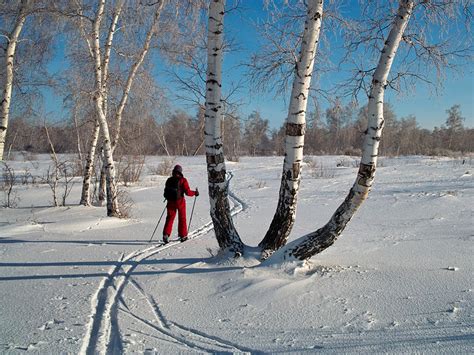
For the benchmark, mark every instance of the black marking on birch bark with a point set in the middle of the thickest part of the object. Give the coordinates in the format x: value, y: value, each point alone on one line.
x: 213, y: 82
x: 365, y: 174
x: 284, y: 218
x: 301, y: 94
x: 295, y: 129
x: 298, y: 112
x: 296, y: 170
x: 216, y: 177
x: 215, y: 159
x: 216, y: 146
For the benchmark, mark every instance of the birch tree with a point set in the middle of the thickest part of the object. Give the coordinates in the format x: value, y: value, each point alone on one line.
x: 100, y: 98
x: 100, y: 101
x: 439, y: 55
x: 12, y: 39
x: 226, y: 234
x: 101, y: 56
x: 284, y: 218
x: 140, y: 57
x: 324, y: 237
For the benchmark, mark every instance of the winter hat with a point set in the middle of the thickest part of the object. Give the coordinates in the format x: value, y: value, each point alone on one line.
x: 178, y: 169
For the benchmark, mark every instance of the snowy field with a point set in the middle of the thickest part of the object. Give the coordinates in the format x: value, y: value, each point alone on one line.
x: 399, y: 280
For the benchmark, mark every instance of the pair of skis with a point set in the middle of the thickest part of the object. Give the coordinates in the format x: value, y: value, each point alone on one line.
x: 182, y: 240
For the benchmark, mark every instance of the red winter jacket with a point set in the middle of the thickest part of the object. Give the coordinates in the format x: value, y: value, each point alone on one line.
x: 184, y: 186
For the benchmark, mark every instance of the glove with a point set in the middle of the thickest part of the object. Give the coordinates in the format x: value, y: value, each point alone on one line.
x: 196, y: 193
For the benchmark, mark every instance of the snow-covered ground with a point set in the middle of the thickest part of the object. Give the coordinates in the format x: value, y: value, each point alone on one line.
x: 399, y: 280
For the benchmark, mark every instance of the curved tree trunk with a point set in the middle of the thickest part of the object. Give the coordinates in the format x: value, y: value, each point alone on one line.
x: 285, y: 214
x: 317, y: 241
x: 9, y: 61
x: 226, y: 234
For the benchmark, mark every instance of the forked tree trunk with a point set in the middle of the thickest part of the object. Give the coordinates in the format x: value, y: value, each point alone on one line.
x: 101, y: 76
x: 104, y: 82
x: 128, y: 86
x: 9, y: 62
x: 112, y: 197
x: 285, y: 214
x: 226, y: 234
x: 317, y: 241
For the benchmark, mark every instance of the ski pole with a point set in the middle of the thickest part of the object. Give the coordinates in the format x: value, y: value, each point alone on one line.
x: 162, y: 213
x: 192, y: 211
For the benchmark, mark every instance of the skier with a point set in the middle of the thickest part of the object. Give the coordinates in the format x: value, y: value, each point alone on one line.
x: 175, y: 188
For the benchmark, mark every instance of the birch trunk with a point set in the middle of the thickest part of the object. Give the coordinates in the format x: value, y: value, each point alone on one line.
x: 112, y: 198
x: 128, y: 85
x: 285, y: 214
x: 89, y: 166
x: 101, y: 74
x: 226, y: 234
x: 324, y: 237
x: 9, y: 62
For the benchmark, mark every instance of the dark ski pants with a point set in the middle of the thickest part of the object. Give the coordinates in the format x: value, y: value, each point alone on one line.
x: 171, y: 209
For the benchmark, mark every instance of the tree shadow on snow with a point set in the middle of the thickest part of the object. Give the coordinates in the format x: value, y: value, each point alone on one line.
x: 104, y: 274
x: 8, y: 240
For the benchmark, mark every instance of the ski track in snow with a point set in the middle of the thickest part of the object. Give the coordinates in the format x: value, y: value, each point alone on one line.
x: 103, y: 333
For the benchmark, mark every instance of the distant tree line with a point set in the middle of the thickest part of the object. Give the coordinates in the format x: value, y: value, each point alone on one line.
x: 338, y: 130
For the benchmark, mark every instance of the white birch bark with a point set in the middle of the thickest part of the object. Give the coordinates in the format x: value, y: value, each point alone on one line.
x: 226, y: 234
x: 105, y: 76
x: 112, y: 198
x: 315, y: 242
x: 89, y: 166
x: 128, y: 85
x: 285, y: 214
x: 9, y: 62
x: 107, y: 51
x: 101, y: 83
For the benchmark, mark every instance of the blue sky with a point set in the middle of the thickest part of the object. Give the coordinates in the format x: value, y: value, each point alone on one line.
x: 428, y: 108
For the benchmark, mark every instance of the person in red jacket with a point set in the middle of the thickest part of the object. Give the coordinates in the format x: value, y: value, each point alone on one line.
x: 176, y: 187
